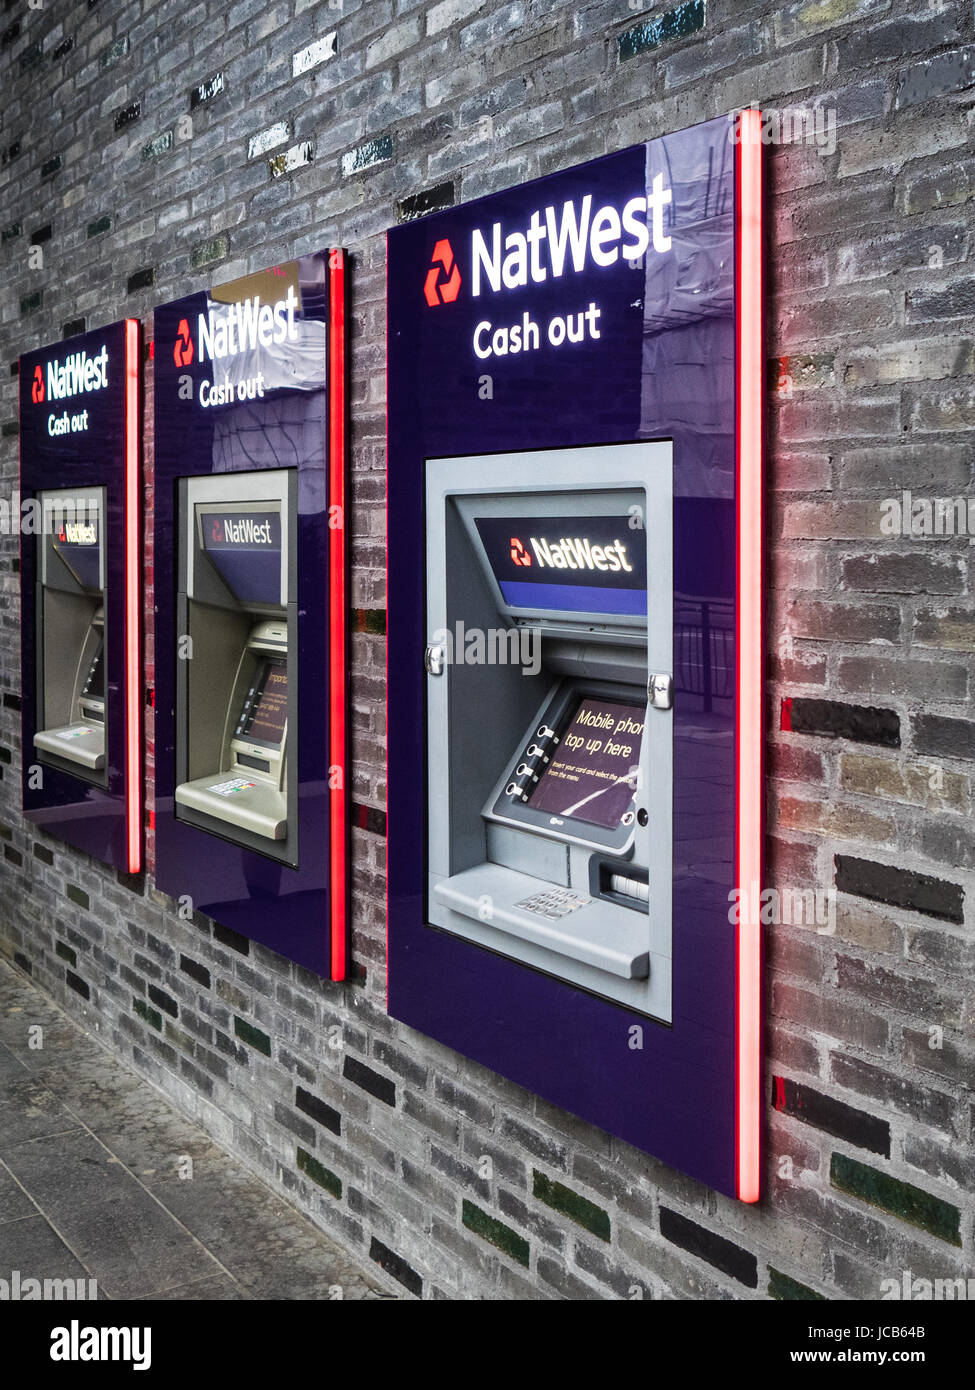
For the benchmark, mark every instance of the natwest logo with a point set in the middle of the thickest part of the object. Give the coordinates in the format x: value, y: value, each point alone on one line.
x: 243, y: 532
x: 442, y: 284
x: 183, y: 347
x: 519, y: 555
x: 559, y: 239
x: 37, y: 387
x: 75, y: 376
x: 578, y: 553
x: 78, y: 533
x: 228, y: 329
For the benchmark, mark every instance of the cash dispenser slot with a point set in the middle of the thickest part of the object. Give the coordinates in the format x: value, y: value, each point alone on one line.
x: 236, y: 692
x: 550, y: 823
x: 71, y: 699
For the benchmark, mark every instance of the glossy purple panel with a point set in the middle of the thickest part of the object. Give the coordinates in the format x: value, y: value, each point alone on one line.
x: 92, y: 818
x: 282, y: 425
x: 662, y: 366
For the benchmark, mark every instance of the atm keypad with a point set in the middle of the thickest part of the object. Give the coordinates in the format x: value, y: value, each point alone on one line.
x: 553, y: 903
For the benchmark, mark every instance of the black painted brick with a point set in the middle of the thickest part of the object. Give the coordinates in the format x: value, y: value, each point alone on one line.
x: 396, y: 1266
x: 707, y: 1245
x: 834, y: 719
x: 140, y: 280
x: 164, y: 1001
x: 884, y: 883
x: 430, y: 200
x: 233, y: 939
x: 196, y: 972
x: 76, y: 983
x: 127, y: 115
x: 324, y: 1114
x: 379, y: 1086
x: 832, y: 1116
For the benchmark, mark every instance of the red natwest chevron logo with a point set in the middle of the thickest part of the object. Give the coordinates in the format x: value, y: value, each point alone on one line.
x: 183, y: 347
x: 519, y: 554
x: 442, y: 285
x: 37, y: 386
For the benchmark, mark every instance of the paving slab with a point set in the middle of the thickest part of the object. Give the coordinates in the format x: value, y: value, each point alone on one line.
x: 32, y: 1249
x: 94, y: 1182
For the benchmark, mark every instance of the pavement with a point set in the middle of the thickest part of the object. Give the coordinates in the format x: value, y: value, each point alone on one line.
x: 95, y: 1184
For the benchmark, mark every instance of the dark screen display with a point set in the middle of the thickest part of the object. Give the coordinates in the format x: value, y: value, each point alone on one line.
x: 593, y: 773
x: 269, y: 710
x: 77, y: 544
x: 573, y: 564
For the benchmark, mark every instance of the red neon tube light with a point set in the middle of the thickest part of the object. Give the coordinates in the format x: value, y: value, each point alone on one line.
x: 748, y: 742
x: 133, y: 665
x: 337, y: 598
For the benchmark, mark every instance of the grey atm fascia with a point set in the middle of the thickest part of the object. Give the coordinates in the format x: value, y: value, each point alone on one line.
x: 230, y: 641
x: 70, y: 640
x: 483, y: 864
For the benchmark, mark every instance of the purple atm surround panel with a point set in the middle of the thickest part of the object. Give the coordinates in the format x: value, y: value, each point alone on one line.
x: 663, y: 367
x: 95, y: 819
x: 285, y: 909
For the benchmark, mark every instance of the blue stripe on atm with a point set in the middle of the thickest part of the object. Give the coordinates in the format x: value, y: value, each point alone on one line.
x: 575, y: 598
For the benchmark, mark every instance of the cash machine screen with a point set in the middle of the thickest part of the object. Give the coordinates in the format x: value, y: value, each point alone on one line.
x: 592, y: 774
x: 76, y: 542
x: 567, y: 564
x: 265, y: 709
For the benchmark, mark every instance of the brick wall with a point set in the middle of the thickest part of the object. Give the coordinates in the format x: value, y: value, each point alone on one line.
x: 149, y: 148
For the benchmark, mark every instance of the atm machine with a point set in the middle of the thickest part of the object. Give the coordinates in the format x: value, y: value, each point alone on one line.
x: 234, y: 699
x: 70, y: 644
x: 575, y: 645
x: 81, y: 684
x: 549, y: 817
x: 251, y: 824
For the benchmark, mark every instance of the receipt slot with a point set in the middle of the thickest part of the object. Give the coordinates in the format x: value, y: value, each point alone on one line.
x: 71, y: 633
x: 549, y: 824
x: 574, y: 629
x: 235, y: 618
x: 251, y: 585
x: 81, y: 593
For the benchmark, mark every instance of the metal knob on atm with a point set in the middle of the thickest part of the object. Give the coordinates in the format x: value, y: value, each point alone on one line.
x: 660, y: 690
x: 433, y: 659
